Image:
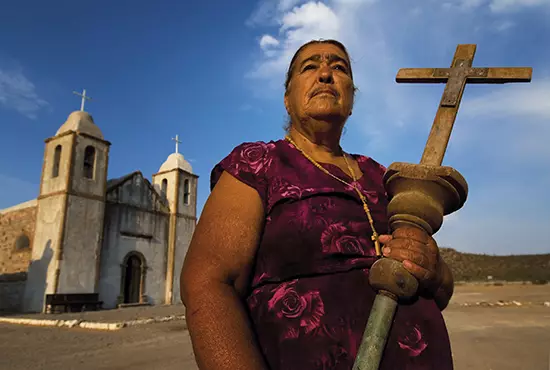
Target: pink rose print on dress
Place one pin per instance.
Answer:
(412, 341)
(284, 188)
(253, 158)
(258, 278)
(350, 238)
(305, 216)
(253, 299)
(331, 358)
(298, 311)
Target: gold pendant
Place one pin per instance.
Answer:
(376, 245)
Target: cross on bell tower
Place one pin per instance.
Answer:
(177, 140)
(84, 98)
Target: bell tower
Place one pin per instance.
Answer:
(176, 181)
(70, 213)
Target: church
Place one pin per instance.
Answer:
(123, 238)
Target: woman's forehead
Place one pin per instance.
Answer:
(321, 51)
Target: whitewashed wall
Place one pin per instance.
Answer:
(135, 222)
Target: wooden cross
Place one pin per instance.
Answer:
(176, 139)
(456, 77)
(84, 97)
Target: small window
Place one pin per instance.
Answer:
(186, 192)
(56, 160)
(164, 188)
(22, 243)
(89, 162)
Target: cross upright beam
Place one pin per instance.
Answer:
(177, 140)
(84, 98)
(455, 77)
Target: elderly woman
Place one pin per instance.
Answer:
(276, 276)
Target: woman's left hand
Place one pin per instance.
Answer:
(419, 253)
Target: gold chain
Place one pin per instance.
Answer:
(374, 236)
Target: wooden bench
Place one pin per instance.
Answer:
(78, 302)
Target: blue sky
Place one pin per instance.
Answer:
(213, 72)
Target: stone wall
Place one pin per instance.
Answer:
(42, 270)
(185, 227)
(83, 232)
(12, 225)
(12, 288)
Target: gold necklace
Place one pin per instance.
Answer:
(374, 236)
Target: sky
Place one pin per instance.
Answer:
(213, 73)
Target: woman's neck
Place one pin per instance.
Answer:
(323, 145)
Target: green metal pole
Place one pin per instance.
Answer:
(376, 333)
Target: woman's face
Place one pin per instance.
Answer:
(321, 86)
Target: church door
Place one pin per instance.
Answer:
(132, 283)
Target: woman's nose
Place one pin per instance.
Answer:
(325, 74)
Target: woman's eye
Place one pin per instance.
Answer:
(341, 68)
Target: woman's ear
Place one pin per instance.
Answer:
(286, 104)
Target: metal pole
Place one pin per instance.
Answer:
(376, 333)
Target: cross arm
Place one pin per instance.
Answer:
(497, 75)
(421, 75)
(474, 75)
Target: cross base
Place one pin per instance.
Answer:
(422, 194)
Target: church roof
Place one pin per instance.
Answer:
(113, 183)
(17, 207)
(114, 187)
(175, 161)
(82, 122)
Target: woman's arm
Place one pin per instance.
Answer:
(215, 275)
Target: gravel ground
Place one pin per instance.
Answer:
(484, 338)
(110, 316)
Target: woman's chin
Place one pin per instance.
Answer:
(326, 115)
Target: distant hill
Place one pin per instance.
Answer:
(476, 267)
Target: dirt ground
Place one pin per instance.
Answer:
(486, 338)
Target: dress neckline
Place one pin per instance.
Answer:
(357, 157)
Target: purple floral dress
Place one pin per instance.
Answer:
(310, 297)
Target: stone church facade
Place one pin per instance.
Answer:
(123, 238)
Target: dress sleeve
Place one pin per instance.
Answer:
(377, 172)
(248, 163)
(380, 167)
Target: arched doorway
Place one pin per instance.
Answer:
(133, 278)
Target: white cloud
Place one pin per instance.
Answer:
(285, 5)
(506, 124)
(313, 17)
(296, 26)
(521, 100)
(263, 13)
(17, 92)
(470, 4)
(268, 41)
(499, 6)
(502, 26)
(495, 6)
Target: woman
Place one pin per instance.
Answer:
(276, 276)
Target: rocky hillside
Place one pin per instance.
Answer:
(477, 267)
